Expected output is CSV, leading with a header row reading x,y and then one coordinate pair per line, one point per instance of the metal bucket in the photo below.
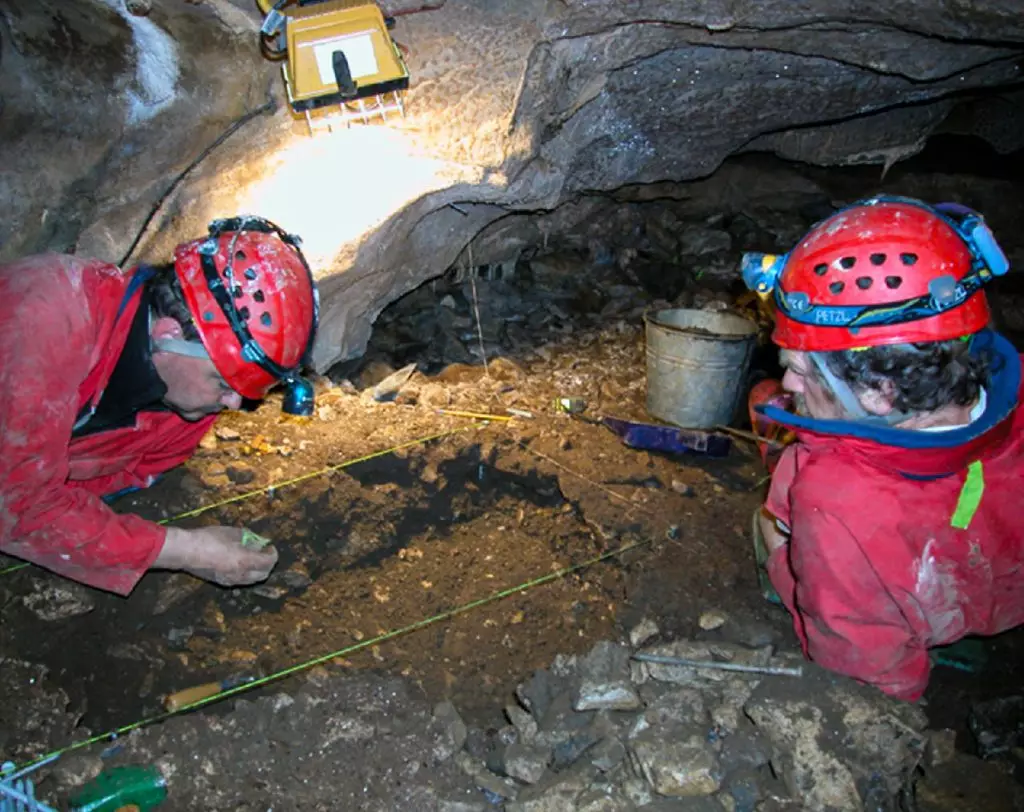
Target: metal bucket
x,y
697,365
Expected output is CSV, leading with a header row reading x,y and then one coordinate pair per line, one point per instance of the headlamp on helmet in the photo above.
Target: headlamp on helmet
x,y
889,270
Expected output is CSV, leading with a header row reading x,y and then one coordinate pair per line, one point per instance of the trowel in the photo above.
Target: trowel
x,y
668,439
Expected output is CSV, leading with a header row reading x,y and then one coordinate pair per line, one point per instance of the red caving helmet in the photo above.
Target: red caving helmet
x,y
253,301
883,271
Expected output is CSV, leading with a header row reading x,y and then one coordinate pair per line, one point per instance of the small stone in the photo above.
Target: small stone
x,y
58,601
523,721
525,762
226,433
941,747
675,766
712,619
139,8
295,578
448,301
177,638
606,680
434,395
270,591
447,732
607,754
209,441
642,632
484,778
240,474
175,588
683,488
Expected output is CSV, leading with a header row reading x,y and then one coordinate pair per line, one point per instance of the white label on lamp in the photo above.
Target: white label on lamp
x,y
358,50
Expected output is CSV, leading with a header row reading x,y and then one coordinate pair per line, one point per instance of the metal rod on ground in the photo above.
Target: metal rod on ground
x,y
775,670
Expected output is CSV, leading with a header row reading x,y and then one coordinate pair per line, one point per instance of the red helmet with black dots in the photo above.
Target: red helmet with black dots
x,y
254,304
882,271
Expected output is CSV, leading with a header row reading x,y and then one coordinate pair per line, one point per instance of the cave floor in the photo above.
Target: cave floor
x,y
384,543
388,542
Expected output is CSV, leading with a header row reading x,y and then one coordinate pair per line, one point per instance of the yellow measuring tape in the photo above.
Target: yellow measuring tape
x,y
420,624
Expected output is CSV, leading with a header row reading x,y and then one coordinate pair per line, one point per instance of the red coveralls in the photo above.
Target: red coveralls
x,y
874,573
60,338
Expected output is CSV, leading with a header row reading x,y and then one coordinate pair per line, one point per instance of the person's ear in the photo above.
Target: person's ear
x,y
165,327
878,401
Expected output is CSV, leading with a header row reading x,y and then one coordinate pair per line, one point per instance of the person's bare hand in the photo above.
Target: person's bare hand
x,y
216,554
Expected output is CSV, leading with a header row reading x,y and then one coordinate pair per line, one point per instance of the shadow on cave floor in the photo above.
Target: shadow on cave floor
x,y
390,541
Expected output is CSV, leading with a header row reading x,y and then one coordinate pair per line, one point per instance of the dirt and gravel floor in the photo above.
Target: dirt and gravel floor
x,y
382,544
375,542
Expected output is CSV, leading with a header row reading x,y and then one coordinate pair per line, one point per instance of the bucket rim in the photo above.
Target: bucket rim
x,y
650,318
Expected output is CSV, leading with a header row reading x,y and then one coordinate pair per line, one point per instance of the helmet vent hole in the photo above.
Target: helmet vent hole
x,y
893,282
878,259
864,282
259,297
236,291
265,319
908,259
848,262
244,313
240,256
821,270
250,273
836,288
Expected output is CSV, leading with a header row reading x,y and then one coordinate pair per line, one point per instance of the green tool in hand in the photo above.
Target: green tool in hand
x,y
761,557
117,789
253,541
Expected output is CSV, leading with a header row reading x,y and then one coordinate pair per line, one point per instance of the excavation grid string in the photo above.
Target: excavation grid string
x,y
188,514
412,627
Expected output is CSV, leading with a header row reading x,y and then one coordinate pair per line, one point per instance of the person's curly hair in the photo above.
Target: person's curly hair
x,y
922,377
166,299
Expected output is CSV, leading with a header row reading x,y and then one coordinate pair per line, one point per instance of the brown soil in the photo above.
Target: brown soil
x,y
382,544
386,543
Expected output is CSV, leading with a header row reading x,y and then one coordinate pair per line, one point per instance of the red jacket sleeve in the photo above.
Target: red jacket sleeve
x,y
42,519
845,617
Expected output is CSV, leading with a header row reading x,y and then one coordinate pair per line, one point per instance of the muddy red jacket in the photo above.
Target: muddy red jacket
x,y
64,325
902,540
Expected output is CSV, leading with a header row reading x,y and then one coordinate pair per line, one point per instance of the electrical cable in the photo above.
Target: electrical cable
x,y
232,128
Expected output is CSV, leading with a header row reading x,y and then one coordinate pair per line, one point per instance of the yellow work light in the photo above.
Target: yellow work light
x,y
340,63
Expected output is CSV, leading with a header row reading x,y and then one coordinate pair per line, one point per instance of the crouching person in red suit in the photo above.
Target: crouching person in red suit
x,y
110,378
892,524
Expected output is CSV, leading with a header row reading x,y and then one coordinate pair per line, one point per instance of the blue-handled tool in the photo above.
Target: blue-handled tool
x,y
669,439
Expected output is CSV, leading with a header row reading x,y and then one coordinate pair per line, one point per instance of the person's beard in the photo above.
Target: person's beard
x,y
799,405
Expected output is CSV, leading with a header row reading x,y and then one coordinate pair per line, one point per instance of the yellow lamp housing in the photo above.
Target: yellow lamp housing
x,y
340,59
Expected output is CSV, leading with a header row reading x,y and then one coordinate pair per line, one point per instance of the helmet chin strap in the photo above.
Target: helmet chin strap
x,y
178,346
849,400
